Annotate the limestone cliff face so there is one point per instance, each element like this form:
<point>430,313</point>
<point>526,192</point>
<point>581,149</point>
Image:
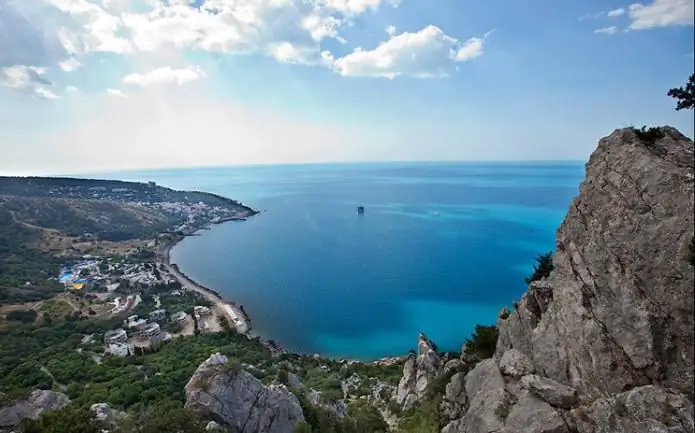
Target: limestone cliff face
<point>231,396</point>
<point>418,372</point>
<point>605,344</point>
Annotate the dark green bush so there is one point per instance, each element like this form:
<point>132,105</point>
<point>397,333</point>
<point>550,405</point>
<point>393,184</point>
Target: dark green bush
<point>543,267</point>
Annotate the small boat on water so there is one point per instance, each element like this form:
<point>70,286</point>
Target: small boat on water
<point>360,210</point>
<point>435,213</point>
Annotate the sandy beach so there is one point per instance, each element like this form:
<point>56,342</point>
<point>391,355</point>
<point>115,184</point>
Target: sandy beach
<point>234,313</point>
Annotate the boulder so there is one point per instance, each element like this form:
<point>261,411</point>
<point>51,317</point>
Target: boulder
<point>531,415</point>
<point>223,392</point>
<point>550,391</point>
<point>649,409</point>
<point>514,363</point>
<point>32,406</point>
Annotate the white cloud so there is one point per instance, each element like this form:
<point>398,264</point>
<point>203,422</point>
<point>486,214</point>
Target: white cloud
<point>607,30</point>
<point>116,92</point>
<point>69,65</point>
<point>423,54</point>
<point>391,30</point>
<point>661,13</point>
<point>616,12</point>
<point>71,89</point>
<point>27,79</point>
<point>166,75</point>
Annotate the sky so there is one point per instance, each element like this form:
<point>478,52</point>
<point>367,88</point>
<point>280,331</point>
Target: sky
<point>103,85</point>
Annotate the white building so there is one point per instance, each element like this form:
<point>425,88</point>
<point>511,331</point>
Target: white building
<point>179,317</point>
<point>120,349</point>
<point>115,336</point>
<point>158,314</point>
<point>201,310</point>
<point>150,330</point>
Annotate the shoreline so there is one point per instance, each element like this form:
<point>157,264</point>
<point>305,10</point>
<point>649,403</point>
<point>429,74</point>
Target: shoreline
<point>234,312</point>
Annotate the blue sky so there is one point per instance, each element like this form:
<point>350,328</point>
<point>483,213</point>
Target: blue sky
<point>102,85</point>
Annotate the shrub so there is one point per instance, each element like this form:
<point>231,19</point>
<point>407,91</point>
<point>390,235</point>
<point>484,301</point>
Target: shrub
<point>543,267</point>
<point>502,411</point>
<point>649,135</point>
<point>481,345</point>
<point>24,316</point>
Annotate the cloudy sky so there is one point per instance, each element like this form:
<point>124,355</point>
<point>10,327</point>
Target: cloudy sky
<point>102,85</point>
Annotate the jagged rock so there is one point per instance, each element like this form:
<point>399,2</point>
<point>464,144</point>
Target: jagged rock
<point>514,363</point>
<point>617,312</point>
<point>645,409</point>
<point>550,391</point>
<point>531,415</point>
<point>32,406</point>
<point>339,408</point>
<point>485,390</point>
<point>225,393</point>
<point>455,400</point>
<point>615,319</point>
<point>293,381</point>
<point>418,371</point>
<point>212,425</point>
<point>451,365</point>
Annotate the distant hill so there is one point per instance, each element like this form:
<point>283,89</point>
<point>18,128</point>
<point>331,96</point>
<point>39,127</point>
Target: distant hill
<point>45,220</point>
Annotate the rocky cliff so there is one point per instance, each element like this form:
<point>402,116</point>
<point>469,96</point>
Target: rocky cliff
<point>605,343</point>
<point>223,392</point>
<point>31,406</point>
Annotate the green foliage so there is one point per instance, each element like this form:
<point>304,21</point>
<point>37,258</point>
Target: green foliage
<point>301,427</point>
<point>685,96</point>
<point>363,418</point>
<point>437,386</point>
<point>122,382</point>
<point>21,264</point>
<point>70,419</point>
<point>542,269</point>
<point>167,416</point>
<point>649,134</point>
<point>421,418</point>
<point>24,316</point>
<point>502,411</point>
<point>481,345</point>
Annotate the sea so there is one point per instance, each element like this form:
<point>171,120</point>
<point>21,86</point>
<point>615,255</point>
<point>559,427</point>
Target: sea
<point>439,248</point>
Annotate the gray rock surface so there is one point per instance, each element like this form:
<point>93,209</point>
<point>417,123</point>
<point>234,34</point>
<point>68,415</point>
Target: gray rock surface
<point>338,408</point>
<point>645,409</point>
<point>617,312</point>
<point>418,371</point>
<point>550,391</point>
<point>224,393</point>
<point>455,400</point>
<point>32,406</point>
<point>531,415</point>
<point>484,388</point>
<point>605,344</point>
<point>514,363</point>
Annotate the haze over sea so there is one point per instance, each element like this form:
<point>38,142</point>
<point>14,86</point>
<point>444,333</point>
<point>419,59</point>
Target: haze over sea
<point>441,247</point>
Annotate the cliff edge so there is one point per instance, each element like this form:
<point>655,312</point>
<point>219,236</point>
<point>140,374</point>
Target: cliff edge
<point>605,343</point>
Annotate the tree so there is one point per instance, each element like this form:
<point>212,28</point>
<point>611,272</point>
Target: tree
<point>68,419</point>
<point>685,95</point>
<point>542,269</point>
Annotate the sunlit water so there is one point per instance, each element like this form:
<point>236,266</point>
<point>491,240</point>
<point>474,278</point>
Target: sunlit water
<point>440,248</point>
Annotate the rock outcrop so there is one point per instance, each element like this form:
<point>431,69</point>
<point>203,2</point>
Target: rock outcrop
<point>606,342</point>
<point>419,370</point>
<point>225,393</point>
<point>31,406</point>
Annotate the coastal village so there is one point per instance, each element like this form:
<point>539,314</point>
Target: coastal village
<point>119,285</point>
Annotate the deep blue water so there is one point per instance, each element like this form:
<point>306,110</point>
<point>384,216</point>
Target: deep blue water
<point>317,277</point>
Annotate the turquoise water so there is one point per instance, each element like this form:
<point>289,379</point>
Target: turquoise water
<point>440,248</point>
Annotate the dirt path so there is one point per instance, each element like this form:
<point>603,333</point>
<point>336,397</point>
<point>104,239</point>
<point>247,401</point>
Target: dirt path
<point>24,223</point>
